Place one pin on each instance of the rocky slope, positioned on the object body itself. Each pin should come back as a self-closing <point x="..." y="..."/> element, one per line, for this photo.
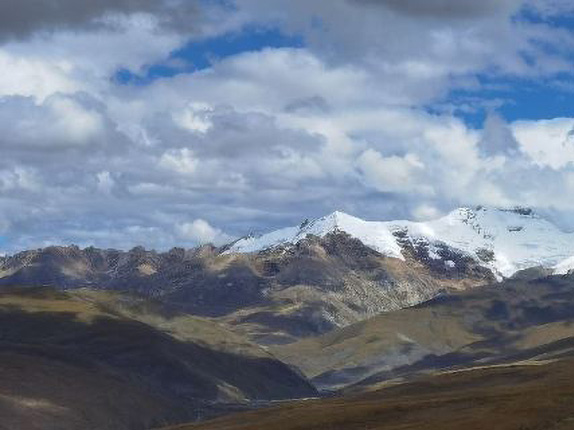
<point x="275" y="296"/>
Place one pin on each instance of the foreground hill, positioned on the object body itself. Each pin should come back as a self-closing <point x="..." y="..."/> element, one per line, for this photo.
<point x="99" y="360"/>
<point x="515" y="397"/>
<point x="494" y="324"/>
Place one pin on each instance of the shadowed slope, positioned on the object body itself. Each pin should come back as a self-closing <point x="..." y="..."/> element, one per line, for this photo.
<point x="97" y="367"/>
<point x="521" y="397"/>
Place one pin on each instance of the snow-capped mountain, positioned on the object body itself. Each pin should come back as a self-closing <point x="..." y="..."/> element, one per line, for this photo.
<point x="305" y="280"/>
<point x="503" y="240"/>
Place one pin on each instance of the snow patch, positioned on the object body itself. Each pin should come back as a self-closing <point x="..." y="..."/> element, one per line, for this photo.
<point x="564" y="267"/>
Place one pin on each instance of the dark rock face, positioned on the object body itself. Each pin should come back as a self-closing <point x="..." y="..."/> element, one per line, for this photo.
<point x="449" y="263"/>
<point x="287" y="292"/>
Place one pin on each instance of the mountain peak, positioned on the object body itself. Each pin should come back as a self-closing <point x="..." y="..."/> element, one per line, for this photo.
<point x="504" y="240"/>
<point x="468" y="211"/>
<point x="341" y="215"/>
<point x="335" y="221"/>
<point x="373" y="234"/>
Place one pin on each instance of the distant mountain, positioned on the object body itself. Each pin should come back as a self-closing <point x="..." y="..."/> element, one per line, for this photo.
<point x="92" y="359"/>
<point x="502" y="240"/>
<point x="274" y="296"/>
<point x="324" y="274"/>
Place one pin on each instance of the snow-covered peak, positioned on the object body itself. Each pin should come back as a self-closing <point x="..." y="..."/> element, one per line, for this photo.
<point x="564" y="267"/>
<point x="504" y="240"/>
<point x="517" y="238"/>
<point x="375" y="235"/>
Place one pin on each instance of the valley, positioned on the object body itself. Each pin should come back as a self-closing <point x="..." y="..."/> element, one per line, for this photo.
<point x="517" y="397"/>
<point x="286" y="215"/>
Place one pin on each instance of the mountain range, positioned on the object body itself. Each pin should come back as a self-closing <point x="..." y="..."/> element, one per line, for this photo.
<point x="423" y="313"/>
<point x="324" y="274"/>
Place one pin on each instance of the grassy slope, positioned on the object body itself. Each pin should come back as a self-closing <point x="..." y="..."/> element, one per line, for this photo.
<point x="519" y="397"/>
<point x="99" y="360"/>
<point x="46" y="393"/>
<point x="486" y="323"/>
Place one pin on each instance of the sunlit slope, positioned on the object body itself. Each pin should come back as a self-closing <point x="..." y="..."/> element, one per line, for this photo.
<point x="277" y="296"/>
<point x="478" y="326"/>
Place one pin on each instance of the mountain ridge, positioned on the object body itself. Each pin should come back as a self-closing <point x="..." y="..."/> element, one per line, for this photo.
<point x="324" y="274"/>
<point x="504" y="240"/>
<point x="278" y="295"/>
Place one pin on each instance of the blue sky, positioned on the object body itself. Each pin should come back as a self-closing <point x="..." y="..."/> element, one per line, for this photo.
<point x="198" y="55"/>
<point x="513" y="98"/>
<point x="162" y="123"/>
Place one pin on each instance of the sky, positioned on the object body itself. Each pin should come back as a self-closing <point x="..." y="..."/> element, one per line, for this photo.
<point x="180" y="122"/>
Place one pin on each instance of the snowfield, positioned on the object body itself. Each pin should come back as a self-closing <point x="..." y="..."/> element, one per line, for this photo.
<point x="513" y="239"/>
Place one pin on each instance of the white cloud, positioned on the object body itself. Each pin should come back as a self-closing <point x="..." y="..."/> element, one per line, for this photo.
<point x="181" y="161"/>
<point x="547" y="142"/>
<point x="392" y="174"/>
<point x="105" y="182"/>
<point x="60" y="121"/>
<point x="68" y="61"/>
<point x="73" y="122"/>
<point x="34" y="77"/>
<point x="426" y="212"/>
<point x="195" y="118"/>
<point x="19" y="179"/>
<point x="201" y="232"/>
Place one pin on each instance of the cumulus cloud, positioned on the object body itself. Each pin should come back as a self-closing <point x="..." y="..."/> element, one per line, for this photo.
<point x="181" y="161"/>
<point x="426" y="212"/>
<point x="59" y="121"/>
<point x="547" y="142"/>
<point x="196" y="117"/>
<point x="264" y="139"/>
<point x="392" y="174"/>
<point x="201" y="232"/>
